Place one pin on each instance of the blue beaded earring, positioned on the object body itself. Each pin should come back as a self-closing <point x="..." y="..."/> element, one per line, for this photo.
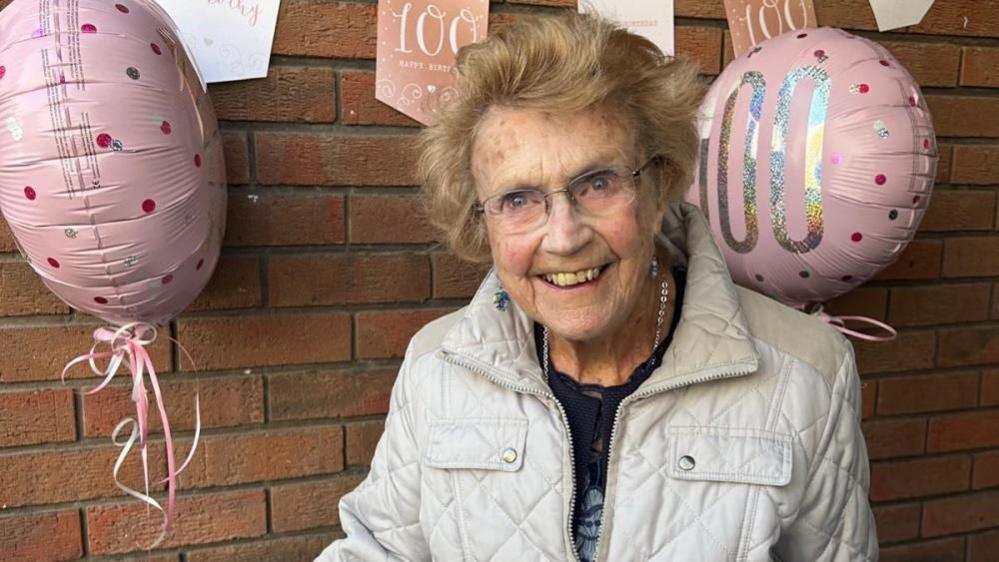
<point x="654" y="267"/>
<point x="501" y="299"/>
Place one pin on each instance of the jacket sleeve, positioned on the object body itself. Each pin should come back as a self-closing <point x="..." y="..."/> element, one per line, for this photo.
<point x="835" y="522"/>
<point x="381" y="516"/>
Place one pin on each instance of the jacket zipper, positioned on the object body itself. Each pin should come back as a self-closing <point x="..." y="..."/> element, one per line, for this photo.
<point x="717" y="374"/>
<point x="484" y="371"/>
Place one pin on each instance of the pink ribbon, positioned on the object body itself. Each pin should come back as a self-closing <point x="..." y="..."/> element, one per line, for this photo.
<point x="839" y="322"/>
<point x="128" y="346"/>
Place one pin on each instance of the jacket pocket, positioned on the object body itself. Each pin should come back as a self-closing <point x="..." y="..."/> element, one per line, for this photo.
<point x="748" y="456"/>
<point x="477" y="443"/>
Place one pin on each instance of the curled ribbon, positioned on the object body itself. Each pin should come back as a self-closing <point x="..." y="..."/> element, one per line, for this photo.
<point x="839" y="322"/>
<point x="128" y="346"/>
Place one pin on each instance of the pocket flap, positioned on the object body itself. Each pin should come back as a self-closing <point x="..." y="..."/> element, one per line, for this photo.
<point x="748" y="456"/>
<point x="488" y="443"/>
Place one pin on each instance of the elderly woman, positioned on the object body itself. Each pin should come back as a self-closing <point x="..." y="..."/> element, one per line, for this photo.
<point x="608" y="394"/>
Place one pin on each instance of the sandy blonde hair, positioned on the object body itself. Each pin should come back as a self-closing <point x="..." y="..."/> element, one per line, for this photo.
<point x="558" y="64"/>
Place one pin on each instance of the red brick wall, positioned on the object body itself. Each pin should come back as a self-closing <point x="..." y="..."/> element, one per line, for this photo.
<point x="328" y="268"/>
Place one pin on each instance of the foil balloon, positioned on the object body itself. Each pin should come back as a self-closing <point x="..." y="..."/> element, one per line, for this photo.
<point x="816" y="163"/>
<point x="112" y="178"/>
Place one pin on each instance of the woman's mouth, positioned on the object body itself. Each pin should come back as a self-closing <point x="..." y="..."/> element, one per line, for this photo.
<point x="573" y="278"/>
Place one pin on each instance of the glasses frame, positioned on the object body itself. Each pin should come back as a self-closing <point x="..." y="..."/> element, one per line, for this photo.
<point x="480" y="208"/>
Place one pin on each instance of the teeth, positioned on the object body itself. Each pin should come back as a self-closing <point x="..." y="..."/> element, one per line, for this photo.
<point x="572" y="278"/>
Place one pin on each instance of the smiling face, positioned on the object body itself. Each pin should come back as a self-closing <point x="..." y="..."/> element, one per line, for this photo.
<point x="521" y="148"/>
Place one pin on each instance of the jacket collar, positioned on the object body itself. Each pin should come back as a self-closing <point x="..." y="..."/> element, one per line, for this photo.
<point x="712" y="339"/>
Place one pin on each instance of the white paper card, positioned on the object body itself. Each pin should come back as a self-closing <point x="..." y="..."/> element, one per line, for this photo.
<point x="652" y="19"/>
<point x="230" y="39"/>
<point x="893" y="14"/>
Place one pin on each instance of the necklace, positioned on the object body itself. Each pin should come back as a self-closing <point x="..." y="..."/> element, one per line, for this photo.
<point x="663" y="297"/>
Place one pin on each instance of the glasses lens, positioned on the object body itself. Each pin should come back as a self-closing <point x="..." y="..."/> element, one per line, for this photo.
<point x="604" y="191"/>
<point x="517" y="210"/>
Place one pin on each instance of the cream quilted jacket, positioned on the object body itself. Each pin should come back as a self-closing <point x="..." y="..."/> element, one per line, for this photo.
<point x="745" y="445"/>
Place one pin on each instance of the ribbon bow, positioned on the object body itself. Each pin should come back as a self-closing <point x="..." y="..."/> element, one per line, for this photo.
<point x="128" y="346"/>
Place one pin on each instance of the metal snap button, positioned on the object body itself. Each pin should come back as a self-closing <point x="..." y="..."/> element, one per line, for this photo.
<point x="686" y="462"/>
<point x="509" y="456"/>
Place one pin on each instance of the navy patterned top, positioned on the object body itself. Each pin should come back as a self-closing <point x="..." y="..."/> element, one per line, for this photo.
<point x="590" y="409"/>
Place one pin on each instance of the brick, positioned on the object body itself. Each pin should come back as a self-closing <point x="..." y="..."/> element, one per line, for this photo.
<point x="980" y="67"/>
<point x="699" y="9"/>
<point x="919" y="477"/>
<point x="235" y="284"/>
<point x="945" y="155"/>
<point x="939" y="304"/>
<point x="971" y="256"/>
<point x="40" y="352"/>
<point x="330" y="394"/>
<point x="921" y="259"/>
<point x="327" y="159"/>
<point x="990" y="388"/>
<point x="959" y="210"/>
<point x="230" y="342"/>
<point x="225" y="402"/>
<point x="995" y="301"/>
<point x="969" y="346"/>
<point x="119" y="528"/>
<point x="224" y="460"/>
<point x="285" y="219"/>
<point x="357" y="90"/>
<point x="909" y="351"/>
<point x="986" y="471"/>
<point x="50" y="536"/>
<point x="36" y="416"/>
<point x="288" y="93"/>
<point x="237" y="158"/>
<point x="283" y="549"/>
<point x="898" y="522"/>
<point x="386" y="334"/>
<point x="73" y="474"/>
<point x="963" y="116"/>
<point x="362" y="438"/>
<point x="931" y="64"/>
<point x="943" y="550"/>
<point x="310" y="504"/>
<point x="868" y="397"/>
<point x="702" y="44"/>
<point x="894" y="438"/>
<point x="6" y="238"/>
<point x="863" y="301"/>
<point x="960" y="514"/>
<point x="22" y="292"/>
<point x="389" y="219"/>
<point x="927" y="393"/>
<point x="983" y="547"/>
<point x="975" y="164"/>
<point x="455" y="278"/>
<point x="305" y="27"/>
<point x="966" y="430"/>
<point x="323" y="279"/>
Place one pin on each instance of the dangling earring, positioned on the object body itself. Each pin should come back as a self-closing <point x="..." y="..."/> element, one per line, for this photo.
<point x="501" y="299"/>
<point x="654" y="267"/>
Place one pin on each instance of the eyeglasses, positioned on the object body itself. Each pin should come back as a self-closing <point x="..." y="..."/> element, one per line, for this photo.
<point x="594" y="194"/>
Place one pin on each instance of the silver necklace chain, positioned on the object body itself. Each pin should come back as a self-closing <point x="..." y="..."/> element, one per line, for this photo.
<point x="663" y="297"/>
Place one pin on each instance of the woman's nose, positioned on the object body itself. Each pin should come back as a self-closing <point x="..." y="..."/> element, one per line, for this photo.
<point x="565" y="231"/>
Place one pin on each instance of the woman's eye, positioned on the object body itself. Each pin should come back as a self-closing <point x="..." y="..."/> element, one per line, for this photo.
<point x="515" y="200"/>
<point x="602" y="181"/>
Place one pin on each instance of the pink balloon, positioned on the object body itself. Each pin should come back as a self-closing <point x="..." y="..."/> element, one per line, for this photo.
<point x="111" y="170"/>
<point x="817" y="161"/>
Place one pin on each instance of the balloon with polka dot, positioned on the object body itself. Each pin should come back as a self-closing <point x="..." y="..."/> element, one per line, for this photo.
<point x="816" y="162"/>
<point x="112" y="178"/>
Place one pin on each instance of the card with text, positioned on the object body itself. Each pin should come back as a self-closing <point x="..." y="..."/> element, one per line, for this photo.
<point x="418" y="42"/>
<point x="230" y="39"/>
<point x="754" y="21"/>
<point x="652" y="19"/>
